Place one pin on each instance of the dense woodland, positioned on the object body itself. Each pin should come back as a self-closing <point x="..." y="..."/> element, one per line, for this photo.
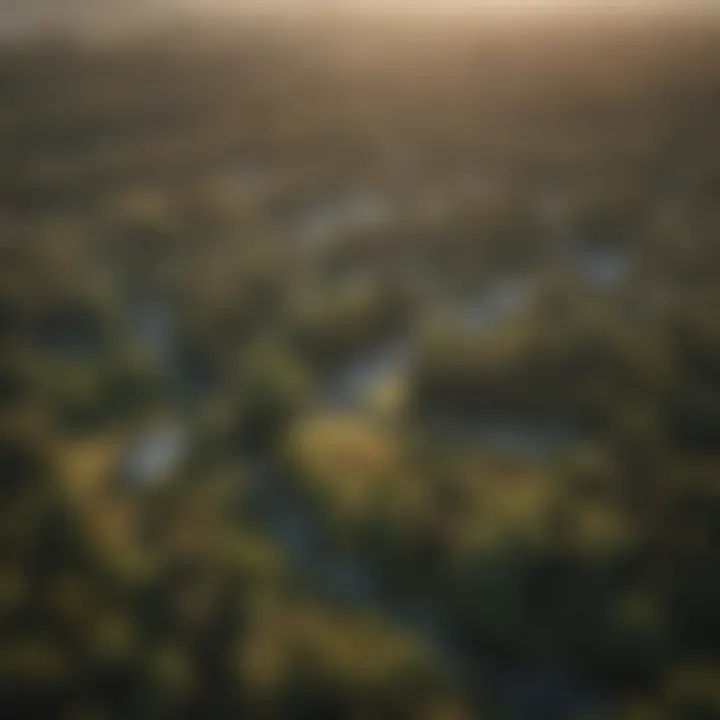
<point x="361" y="372"/>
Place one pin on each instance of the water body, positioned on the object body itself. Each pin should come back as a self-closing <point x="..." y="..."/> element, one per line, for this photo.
<point x="152" y="327"/>
<point x="152" y="459"/>
<point x="340" y="575"/>
<point x="296" y="529"/>
<point x="336" y="573"/>
<point x="603" y="268"/>
<point x="156" y="454"/>
<point x="350" y="386"/>
<point x="355" y="382"/>
<point x="496" y="304"/>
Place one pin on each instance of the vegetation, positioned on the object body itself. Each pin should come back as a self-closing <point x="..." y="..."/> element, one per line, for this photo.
<point x="350" y="373"/>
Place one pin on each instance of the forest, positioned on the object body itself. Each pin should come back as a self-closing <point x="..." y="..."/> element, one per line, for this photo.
<point x="361" y="371"/>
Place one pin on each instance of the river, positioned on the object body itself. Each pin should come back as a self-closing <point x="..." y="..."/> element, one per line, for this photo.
<point x="339" y="575"/>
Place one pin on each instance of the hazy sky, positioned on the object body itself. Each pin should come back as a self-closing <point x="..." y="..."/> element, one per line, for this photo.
<point x="445" y="5"/>
<point x="17" y="16"/>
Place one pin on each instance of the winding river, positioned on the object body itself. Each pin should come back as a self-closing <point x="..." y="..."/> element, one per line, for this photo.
<point x="338" y="575"/>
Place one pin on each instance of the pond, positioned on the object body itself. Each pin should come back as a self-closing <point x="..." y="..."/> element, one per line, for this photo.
<point x="152" y="328"/>
<point x="603" y="268"/>
<point x="355" y="382"/>
<point x="496" y="304"/>
<point x="154" y="456"/>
